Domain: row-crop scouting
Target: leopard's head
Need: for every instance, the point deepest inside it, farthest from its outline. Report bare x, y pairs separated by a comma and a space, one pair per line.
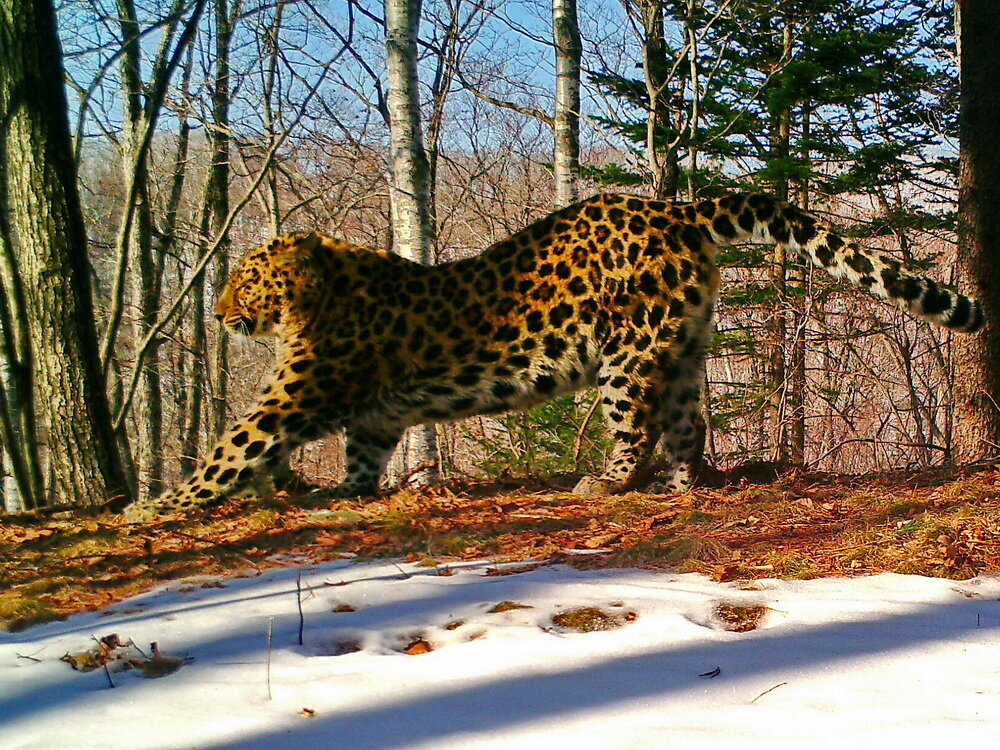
261, 289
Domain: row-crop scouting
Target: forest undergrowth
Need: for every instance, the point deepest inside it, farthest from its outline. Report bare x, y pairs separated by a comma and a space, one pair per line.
942, 522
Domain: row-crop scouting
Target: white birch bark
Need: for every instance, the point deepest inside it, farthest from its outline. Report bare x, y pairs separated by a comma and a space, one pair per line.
566, 125
409, 186
413, 231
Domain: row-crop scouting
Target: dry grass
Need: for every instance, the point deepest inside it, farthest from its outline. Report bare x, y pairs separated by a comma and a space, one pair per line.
938, 523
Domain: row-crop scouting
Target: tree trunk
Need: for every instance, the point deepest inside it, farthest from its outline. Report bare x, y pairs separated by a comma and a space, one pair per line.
566, 129
194, 387
17, 407
38, 191
144, 287
694, 79
777, 325
218, 198
977, 358
410, 188
270, 195
797, 377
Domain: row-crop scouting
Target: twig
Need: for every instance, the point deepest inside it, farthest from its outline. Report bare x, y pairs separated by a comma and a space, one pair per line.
107, 673
135, 645
270, 623
32, 658
404, 479
578, 441
768, 691
402, 572
298, 601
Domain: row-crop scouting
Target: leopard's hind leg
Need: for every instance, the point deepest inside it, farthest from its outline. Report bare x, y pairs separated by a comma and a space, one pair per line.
630, 398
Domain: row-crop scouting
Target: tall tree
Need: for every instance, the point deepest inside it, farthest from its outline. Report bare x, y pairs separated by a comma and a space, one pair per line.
842, 59
40, 202
140, 259
977, 388
660, 82
217, 192
566, 122
410, 188
136, 238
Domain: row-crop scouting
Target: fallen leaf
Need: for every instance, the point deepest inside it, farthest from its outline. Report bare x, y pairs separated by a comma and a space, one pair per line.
159, 665
107, 650
596, 542
418, 646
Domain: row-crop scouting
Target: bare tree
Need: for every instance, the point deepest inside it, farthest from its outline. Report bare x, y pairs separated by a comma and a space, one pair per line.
139, 271
217, 192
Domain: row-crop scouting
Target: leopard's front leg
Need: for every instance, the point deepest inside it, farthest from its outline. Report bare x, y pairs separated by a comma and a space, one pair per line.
261, 439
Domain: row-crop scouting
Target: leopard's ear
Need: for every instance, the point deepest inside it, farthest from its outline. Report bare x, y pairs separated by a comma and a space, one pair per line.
297, 249
306, 244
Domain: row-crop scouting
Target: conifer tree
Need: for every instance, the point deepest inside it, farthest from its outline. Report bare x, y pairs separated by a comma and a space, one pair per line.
785, 101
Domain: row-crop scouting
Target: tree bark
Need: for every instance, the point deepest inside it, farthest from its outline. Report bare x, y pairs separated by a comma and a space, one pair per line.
38, 190
977, 358
218, 197
194, 387
144, 287
566, 127
797, 377
18, 421
777, 325
410, 188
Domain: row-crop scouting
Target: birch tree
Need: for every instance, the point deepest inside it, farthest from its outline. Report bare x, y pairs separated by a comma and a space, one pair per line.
566, 122
410, 188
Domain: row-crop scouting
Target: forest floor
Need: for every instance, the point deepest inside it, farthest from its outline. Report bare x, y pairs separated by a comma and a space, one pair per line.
942, 523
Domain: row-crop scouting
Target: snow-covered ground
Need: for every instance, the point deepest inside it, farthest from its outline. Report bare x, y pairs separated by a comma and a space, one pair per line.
896, 660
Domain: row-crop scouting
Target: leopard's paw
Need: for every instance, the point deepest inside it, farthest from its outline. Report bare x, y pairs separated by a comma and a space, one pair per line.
592, 485
172, 501
141, 512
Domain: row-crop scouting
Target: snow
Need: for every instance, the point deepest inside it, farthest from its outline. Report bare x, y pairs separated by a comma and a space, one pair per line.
836, 663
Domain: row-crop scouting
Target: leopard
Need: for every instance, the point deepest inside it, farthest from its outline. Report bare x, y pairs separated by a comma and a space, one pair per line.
615, 291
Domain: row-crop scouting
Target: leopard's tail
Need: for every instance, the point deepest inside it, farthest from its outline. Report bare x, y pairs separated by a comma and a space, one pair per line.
765, 219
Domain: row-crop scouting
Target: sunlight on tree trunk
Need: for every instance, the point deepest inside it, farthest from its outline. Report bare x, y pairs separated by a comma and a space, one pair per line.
566, 129
39, 191
977, 387
410, 188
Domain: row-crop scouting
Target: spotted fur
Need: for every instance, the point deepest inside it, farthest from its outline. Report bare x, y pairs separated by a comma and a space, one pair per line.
614, 291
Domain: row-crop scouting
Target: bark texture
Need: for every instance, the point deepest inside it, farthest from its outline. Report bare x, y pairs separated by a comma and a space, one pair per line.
413, 228
566, 126
218, 197
144, 270
977, 358
410, 186
39, 194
